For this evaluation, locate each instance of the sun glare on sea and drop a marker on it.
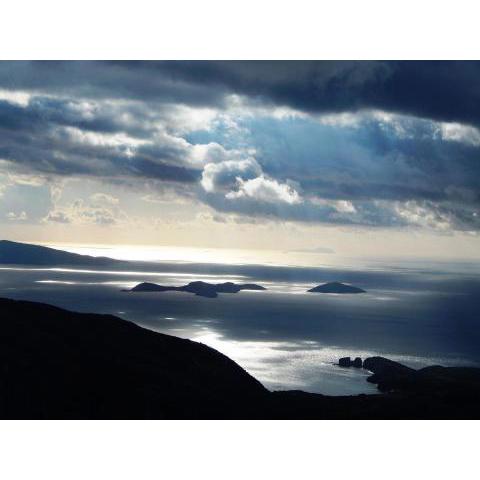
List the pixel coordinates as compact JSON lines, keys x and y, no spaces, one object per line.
{"x":148,"y":253}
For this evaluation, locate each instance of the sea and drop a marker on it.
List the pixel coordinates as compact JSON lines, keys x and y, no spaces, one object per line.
{"x":416,"y":312}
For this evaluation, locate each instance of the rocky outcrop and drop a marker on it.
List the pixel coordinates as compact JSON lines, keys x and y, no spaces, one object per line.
{"x":336,"y":287}
{"x":357,"y":363}
{"x":347,"y":362}
{"x":389,"y":375}
{"x":392,"y":376}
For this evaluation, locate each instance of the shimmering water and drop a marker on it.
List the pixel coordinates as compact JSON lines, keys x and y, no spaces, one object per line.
{"x":287,"y":338}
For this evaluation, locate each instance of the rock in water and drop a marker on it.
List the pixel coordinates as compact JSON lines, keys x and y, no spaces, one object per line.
{"x":345,"y":362}
{"x":357,"y":363}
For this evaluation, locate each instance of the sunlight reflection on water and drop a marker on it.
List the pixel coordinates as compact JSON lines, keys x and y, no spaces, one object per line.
{"x":284,"y":336}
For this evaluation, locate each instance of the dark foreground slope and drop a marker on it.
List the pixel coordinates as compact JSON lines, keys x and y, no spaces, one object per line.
{"x":60,"y":364}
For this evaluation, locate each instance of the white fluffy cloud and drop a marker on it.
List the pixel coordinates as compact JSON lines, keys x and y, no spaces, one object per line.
{"x":265,"y":189}
{"x":245,"y":179}
{"x":456,"y":132}
{"x":22,"y":216}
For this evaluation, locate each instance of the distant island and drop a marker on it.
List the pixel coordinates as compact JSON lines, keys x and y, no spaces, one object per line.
{"x":87,"y":366}
{"x":202,"y":289}
{"x":16,"y":253}
{"x":336,"y":287}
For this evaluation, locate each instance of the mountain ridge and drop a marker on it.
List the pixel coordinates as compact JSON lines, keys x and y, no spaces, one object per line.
{"x":17,"y":253}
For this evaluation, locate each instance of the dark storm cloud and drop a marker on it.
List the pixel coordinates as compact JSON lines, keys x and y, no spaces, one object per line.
{"x":143,"y":81}
{"x":39,"y":138}
{"x":43,"y":112}
{"x":447,"y":91}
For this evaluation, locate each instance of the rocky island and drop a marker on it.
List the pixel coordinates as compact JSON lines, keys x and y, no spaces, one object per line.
{"x":336,"y":287}
{"x":347,"y":362}
{"x":202,"y":289}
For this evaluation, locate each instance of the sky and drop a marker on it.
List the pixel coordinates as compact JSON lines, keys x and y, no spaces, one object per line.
{"x":315,"y":158}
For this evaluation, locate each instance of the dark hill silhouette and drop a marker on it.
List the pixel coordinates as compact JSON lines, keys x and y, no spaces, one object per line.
{"x":59,"y":364}
{"x":336,"y":287}
{"x":433,"y":380}
{"x":203,"y":289}
{"x":15,"y":253}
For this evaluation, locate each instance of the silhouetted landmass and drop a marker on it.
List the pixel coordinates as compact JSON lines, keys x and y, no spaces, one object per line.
{"x":59,"y":364}
{"x":336,"y":287}
{"x":15,"y":253}
{"x":347,"y":362}
{"x":203,"y":289}
{"x":392,"y":376}
{"x":387,"y":374}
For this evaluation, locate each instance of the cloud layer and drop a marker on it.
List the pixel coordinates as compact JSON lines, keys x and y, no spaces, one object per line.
{"x":356,"y":143}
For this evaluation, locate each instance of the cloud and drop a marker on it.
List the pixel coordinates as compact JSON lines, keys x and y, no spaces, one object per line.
{"x":104,"y":199}
{"x":266,"y":190}
{"x":63,"y":137}
{"x":22,"y":199}
{"x":456,"y":132}
{"x":57,"y":216}
{"x":445,"y":91}
{"x":89,"y":212}
{"x":348,"y":143}
{"x":446,"y":216}
{"x":225,"y":175}
{"x":22,"y":216}
{"x":239,"y":179}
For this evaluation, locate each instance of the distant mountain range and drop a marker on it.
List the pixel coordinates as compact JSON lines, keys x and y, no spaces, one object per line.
{"x":15,"y":253}
{"x":202,"y":289}
{"x":336,"y":287}
{"x":57,"y":364}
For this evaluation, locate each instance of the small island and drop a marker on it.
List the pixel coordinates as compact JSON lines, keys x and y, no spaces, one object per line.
{"x":336,"y":287}
{"x":202,"y":289}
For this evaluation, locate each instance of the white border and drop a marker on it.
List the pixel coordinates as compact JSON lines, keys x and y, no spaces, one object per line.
{"x":240,"y":450}
{"x":251,"y":29}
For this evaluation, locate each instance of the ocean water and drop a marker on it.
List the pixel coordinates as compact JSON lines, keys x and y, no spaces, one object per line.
{"x":418,"y":314}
